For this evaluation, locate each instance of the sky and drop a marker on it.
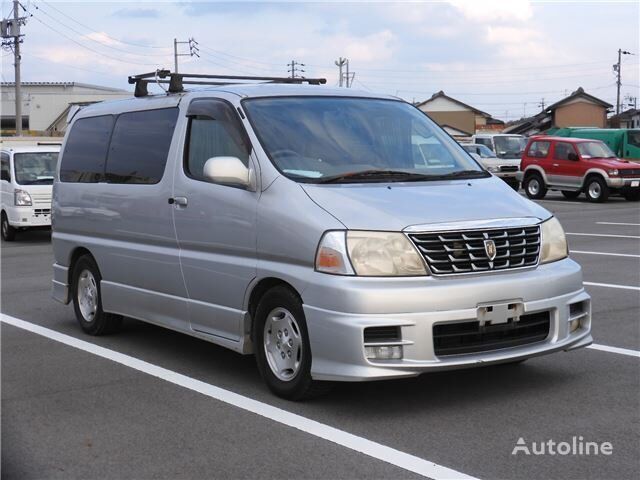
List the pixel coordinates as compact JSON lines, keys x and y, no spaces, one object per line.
{"x":502,"y":56}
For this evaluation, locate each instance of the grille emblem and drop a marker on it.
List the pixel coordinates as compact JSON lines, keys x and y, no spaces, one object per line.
{"x":490,"y":249}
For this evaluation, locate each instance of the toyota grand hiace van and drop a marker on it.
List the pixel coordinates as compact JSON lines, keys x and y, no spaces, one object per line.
{"x":302,"y":224}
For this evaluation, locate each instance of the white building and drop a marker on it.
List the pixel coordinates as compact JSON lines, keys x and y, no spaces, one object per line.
{"x":44,"y":102}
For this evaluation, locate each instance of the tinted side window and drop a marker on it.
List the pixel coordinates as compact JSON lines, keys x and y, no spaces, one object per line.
{"x":86,"y":149}
{"x":485,"y":141}
{"x":210,"y":138}
{"x":539,"y":149}
{"x":562,"y":151}
{"x":5,"y":171}
{"x":140,"y":146}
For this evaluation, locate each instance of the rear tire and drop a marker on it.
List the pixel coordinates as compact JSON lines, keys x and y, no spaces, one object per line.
{"x":282,"y":348}
{"x":570,"y":194}
{"x":596,"y":190}
{"x":534,"y":186}
{"x":87,"y":299}
{"x":8,"y":232}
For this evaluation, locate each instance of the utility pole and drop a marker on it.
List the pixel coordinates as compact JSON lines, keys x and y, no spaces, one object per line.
{"x":340,"y":63}
{"x":294,"y":69}
{"x":11,"y":37}
{"x":617,"y":68}
{"x":541,"y":104}
{"x":193,"y":50}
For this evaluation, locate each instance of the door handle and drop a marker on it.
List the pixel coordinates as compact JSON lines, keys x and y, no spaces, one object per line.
{"x":178,"y":201}
{"x":556,"y":164}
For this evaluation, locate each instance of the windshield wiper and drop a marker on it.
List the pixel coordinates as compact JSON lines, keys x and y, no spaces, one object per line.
{"x":461,"y":174}
{"x":374,"y":174}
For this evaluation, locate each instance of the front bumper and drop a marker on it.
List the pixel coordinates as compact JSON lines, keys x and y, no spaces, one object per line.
{"x":34,"y":216}
{"x":621,"y":182}
{"x":336,"y":329}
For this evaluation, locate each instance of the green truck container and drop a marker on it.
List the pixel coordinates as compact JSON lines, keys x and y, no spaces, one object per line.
{"x":625,"y":142}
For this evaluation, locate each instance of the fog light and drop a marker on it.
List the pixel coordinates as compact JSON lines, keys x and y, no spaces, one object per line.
{"x":574,"y":325}
{"x":384,"y":352}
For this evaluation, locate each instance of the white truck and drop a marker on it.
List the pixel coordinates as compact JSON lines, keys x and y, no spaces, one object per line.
{"x":26,"y":182}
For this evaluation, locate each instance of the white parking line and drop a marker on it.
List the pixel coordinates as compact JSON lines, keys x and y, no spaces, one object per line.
{"x":611,"y":285}
{"x":390,"y":455}
{"x":616,"y":223}
{"x":583,"y":252}
{"x":618,"y":350}
{"x":602,"y":235}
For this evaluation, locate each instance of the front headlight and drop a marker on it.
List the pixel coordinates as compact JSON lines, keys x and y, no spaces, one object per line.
{"x":614,"y":172}
{"x":554,"y":241}
{"x":493,"y":169}
{"x":22,"y":198}
{"x":371,"y":254}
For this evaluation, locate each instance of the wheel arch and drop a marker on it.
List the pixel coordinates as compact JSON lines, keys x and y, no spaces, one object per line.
{"x":534,"y":169}
{"x":257,"y":291}
{"x":594,"y":172}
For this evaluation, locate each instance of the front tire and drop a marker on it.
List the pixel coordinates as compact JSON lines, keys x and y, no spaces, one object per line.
{"x":8,"y":232}
{"x":87,"y":299}
{"x":632,"y":195}
{"x":570,"y":194}
{"x":282,"y":348}
{"x":534,"y":186}
{"x":596,"y":190}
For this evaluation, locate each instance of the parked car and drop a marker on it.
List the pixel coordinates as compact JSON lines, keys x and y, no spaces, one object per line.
{"x":302,"y":224}
{"x":506,"y":169}
{"x":574,"y":166}
{"x":27,"y":177}
{"x":624,"y":142}
{"x":505,"y":146}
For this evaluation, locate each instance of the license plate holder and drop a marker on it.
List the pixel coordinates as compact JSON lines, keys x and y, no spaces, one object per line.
{"x":500,"y":312}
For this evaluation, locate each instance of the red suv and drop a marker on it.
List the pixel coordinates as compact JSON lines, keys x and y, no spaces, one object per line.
{"x":576,"y":165}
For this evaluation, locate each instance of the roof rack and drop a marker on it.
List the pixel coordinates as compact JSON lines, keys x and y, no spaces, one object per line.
{"x":177,"y":81}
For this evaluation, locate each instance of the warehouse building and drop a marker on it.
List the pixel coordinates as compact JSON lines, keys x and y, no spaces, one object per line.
{"x":44,"y":102}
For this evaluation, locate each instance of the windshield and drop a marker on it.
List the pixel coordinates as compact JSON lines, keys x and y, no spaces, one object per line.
{"x":36,"y":168}
{"x":510,"y":147}
{"x":594,"y":150}
{"x":634,"y":138}
{"x":482,"y":150}
{"x":315,"y":139}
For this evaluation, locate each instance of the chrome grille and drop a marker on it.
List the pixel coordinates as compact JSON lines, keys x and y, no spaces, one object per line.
{"x":629,"y":172}
{"x":451,"y":253}
{"x":41,"y":197}
{"x":509,"y":168}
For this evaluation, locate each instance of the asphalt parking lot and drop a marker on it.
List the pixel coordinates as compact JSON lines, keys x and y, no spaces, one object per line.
{"x":177,"y":407}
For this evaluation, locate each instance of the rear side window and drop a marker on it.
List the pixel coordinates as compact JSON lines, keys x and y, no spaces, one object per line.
{"x":140,"y":146}
{"x":539,"y":149}
{"x":562,"y":151}
{"x":86,"y":150}
{"x":484,"y":141}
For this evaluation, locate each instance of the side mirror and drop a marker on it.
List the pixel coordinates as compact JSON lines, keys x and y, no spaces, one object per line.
{"x":227,"y":170}
{"x":573,"y":156}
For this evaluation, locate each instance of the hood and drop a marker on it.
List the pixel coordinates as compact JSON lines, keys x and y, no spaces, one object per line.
{"x":395,"y":206}
{"x":612,"y":162}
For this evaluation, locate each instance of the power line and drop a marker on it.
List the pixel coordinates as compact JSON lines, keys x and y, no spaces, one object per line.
{"x":94,"y":31}
{"x":85,"y":36}
{"x":89,"y":48}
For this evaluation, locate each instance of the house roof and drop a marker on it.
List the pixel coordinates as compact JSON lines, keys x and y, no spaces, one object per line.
{"x":441,"y":94}
{"x":579,"y":93}
{"x":626,"y":115}
{"x":64,"y":84}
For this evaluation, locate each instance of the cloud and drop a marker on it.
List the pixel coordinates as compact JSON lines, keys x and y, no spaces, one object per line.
{"x":519,"y":43}
{"x":103,"y":38}
{"x":136,"y":13}
{"x":494,"y":10}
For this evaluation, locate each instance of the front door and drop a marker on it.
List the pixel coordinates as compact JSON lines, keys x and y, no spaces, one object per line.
{"x":215,"y":223}
{"x":566,"y":166}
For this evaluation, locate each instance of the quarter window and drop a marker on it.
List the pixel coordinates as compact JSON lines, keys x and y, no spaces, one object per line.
{"x":210,"y":138}
{"x":140,"y":146}
{"x":5,"y":171}
{"x":562,"y":151}
{"x":539,"y":149}
{"x":86,"y":150}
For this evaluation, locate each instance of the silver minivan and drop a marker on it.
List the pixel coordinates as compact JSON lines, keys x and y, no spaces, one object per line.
{"x":302,"y":224}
